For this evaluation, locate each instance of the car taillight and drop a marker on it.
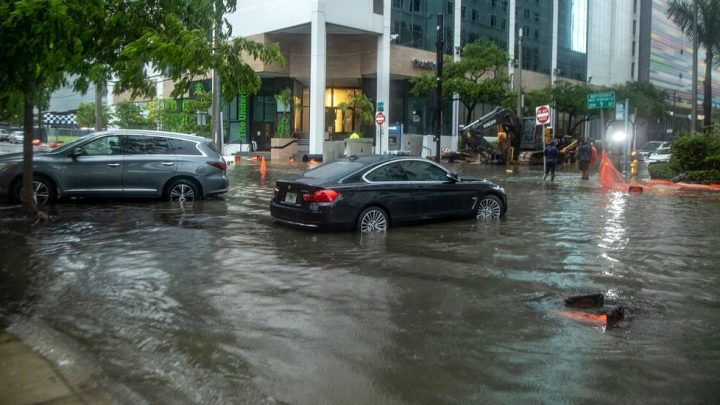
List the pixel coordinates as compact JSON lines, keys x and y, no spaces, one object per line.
{"x":220,"y":165}
{"x":321,"y":196}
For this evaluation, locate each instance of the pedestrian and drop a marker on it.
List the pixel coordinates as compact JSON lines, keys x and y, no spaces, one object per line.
{"x":551,"y":158}
{"x":584,"y":157}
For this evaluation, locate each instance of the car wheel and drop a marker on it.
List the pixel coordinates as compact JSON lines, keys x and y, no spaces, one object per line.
{"x":43,"y":191}
{"x":372,"y":219}
{"x":489,"y":207}
{"x":182,"y":191}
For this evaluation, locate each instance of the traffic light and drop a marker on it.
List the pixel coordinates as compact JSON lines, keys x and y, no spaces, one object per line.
{"x":547,"y":134}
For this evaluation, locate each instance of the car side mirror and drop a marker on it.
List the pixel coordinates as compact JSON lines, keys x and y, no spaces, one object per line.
{"x":452,"y":177}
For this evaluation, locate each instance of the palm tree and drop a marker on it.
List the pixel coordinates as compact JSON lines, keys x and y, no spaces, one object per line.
{"x":362,"y":111}
{"x":708,"y":36}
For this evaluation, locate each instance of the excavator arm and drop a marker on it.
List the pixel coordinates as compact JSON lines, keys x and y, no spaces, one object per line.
{"x":503,"y":118}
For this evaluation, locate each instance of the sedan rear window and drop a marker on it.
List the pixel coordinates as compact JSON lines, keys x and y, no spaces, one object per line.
{"x":182,"y":147}
{"x":334,"y":170}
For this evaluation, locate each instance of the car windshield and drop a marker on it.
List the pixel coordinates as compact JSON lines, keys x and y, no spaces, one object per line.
{"x":662,"y":151}
{"x":334,"y":170}
{"x":71,"y":144}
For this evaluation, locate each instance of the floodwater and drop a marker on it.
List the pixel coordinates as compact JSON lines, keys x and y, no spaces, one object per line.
{"x":217,"y":304}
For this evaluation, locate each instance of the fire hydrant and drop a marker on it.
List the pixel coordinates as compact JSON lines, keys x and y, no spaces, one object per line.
{"x":634,"y":166}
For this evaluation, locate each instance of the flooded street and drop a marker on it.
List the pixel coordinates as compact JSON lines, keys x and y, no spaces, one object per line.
{"x":218,"y":304}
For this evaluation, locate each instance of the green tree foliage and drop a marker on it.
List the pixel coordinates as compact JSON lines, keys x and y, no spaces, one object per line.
{"x":361,"y":111}
{"x":42,"y":42}
{"x":164,"y":114}
{"x":85,"y":115}
{"x":479,"y":77}
{"x":647,"y":101}
{"x":707,"y":34}
{"x":129,"y":115}
{"x":284,"y":99}
{"x":571,"y":101}
{"x":190,"y":108}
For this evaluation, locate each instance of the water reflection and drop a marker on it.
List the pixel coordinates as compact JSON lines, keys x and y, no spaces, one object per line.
{"x":217,"y":304}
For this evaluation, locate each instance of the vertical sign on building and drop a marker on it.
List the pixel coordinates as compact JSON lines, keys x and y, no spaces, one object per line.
{"x":243,"y":118}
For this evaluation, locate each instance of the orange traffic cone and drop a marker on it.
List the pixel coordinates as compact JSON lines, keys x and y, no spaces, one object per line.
{"x":263,"y":168}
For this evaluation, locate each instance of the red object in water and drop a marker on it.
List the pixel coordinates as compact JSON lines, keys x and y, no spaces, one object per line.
{"x":36,"y":142}
{"x":237,"y":159}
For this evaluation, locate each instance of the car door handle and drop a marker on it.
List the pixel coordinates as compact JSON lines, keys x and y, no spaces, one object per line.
{"x":168,"y":163}
{"x":113,"y":164}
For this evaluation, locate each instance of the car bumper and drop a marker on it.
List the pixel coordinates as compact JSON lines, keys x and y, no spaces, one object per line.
{"x":322,"y":219}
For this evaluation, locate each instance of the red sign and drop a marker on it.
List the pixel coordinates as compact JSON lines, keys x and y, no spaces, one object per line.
{"x":542,"y":114}
{"x":379,"y":118}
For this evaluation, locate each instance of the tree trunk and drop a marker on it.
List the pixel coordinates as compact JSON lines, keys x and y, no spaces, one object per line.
{"x":98,"y":106}
{"x":707,"y":96}
{"x":28,"y":201}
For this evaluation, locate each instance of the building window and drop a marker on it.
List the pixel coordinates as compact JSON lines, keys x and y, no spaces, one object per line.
{"x":397,"y":3}
{"x":633,"y":48}
{"x":416,"y":5}
{"x":632,"y":70}
{"x":634,"y":26}
{"x":537,"y":17}
{"x":450,"y":7}
{"x":503,"y":24}
{"x":493,"y":21}
{"x":462,"y":12}
{"x":493,"y":4}
{"x":378,"y":6}
{"x":537,"y":34}
{"x":526,"y":13}
{"x":505,"y":5}
{"x":474,"y":15}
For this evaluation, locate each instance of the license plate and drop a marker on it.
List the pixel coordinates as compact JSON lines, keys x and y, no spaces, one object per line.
{"x":290,"y":198}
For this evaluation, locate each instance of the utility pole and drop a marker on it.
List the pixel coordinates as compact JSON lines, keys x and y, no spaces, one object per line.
{"x":98,"y":106}
{"x":519,"y":74}
{"x":216,"y":89}
{"x":439,"y":63}
{"x":693,"y":102}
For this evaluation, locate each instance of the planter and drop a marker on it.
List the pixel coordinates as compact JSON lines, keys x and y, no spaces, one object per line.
{"x":284,"y":149}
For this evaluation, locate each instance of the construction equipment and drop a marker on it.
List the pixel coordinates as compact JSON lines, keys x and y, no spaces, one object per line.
{"x":513,"y":135}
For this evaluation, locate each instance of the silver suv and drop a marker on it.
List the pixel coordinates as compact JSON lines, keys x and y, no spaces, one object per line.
{"x":121,"y":163}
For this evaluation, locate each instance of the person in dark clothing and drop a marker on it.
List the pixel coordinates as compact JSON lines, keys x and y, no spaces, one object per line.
{"x":551,"y":158}
{"x":584,"y":156}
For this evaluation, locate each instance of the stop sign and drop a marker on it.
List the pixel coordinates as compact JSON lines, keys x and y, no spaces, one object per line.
{"x":379,"y":118}
{"x":542,"y":114}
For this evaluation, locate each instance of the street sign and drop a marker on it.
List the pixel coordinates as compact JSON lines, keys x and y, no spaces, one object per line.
{"x":542,"y":114}
{"x":379,"y":118}
{"x":601,"y":100}
{"x":380,"y":106}
{"x":620,"y":112}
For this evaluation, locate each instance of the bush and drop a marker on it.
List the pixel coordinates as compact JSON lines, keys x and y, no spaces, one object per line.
{"x":661,"y":171}
{"x":704,"y":176}
{"x":689,"y":152}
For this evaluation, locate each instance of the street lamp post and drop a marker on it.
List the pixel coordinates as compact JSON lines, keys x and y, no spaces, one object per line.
{"x":439,"y":63}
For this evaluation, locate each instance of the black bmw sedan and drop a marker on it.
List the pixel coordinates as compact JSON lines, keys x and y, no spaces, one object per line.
{"x":372,"y":193}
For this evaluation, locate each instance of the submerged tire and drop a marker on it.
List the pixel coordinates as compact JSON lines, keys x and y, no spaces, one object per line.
{"x":489,"y":207}
{"x":181,"y":191}
{"x":372,"y":219}
{"x":43,"y":191}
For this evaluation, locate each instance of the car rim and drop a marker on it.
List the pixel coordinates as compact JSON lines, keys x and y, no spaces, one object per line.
{"x":373,"y":221}
{"x":182,"y":193}
{"x":489,"y":208}
{"x":41,"y":193}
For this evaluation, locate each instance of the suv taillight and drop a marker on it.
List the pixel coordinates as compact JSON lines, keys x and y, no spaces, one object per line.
{"x":321,"y":196}
{"x":220,"y":165}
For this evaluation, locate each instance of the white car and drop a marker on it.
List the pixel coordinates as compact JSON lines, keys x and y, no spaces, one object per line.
{"x":17,"y":137}
{"x":651,"y":147}
{"x":660,"y":155}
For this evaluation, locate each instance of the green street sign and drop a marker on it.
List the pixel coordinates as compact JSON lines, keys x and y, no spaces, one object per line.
{"x":380,"y":106}
{"x":601,"y":100}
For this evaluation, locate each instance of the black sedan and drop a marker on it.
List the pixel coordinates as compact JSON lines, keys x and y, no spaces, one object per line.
{"x":372,"y":193}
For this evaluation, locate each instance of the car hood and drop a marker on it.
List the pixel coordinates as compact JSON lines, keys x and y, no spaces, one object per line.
{"x":11,"y":157}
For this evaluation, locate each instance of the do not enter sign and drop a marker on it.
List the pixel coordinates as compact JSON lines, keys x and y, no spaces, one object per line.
{"x":542,"y":114}
{"x":379,"y":118}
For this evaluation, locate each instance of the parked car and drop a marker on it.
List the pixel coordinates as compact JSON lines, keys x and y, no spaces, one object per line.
{"x":660,"y":155}
{"x":121,"y":163}
{"x":16,"y":137}
{"x":651,"y":147}
{"x":373,"y":193}
{"x":4,"y":135}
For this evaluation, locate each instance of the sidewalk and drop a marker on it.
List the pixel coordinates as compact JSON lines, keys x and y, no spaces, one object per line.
{"x":28,"y":378}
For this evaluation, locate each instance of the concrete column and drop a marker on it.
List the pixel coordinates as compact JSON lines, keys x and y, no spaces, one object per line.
{"x":511,"y":41}
{"x":456,"y":57}
{"x":383,"y":80}
{"x":553,"y":68}
{"x":318,"y":57}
